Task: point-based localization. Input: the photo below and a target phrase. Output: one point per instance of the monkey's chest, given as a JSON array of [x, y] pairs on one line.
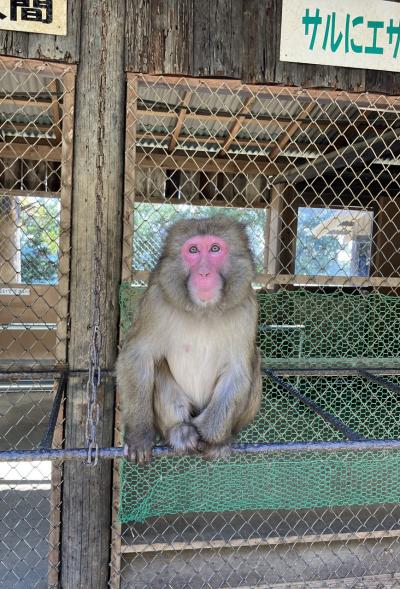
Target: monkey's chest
[[196, 366]]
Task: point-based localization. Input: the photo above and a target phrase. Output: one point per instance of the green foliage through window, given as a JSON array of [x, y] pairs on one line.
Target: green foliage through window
[[39, 226]]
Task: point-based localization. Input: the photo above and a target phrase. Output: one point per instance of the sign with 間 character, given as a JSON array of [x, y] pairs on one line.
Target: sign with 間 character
[[359, 34], [34, 16]]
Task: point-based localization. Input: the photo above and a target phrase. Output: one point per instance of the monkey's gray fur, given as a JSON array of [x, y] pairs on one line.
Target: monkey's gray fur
[[189, 372]]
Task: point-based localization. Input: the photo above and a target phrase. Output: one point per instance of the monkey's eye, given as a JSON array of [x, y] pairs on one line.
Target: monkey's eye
[[215, 248], [193, 249]]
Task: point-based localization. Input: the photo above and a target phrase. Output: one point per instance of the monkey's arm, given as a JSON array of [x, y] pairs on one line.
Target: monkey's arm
[[135, 380]]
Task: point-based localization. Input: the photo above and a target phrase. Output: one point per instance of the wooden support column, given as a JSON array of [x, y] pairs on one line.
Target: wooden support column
[[10, 241], [273, 231], [96, 250]]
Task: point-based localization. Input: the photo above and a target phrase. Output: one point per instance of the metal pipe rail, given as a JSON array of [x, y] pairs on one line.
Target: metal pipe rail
[[334, 421], [383, 382], [267, 449]]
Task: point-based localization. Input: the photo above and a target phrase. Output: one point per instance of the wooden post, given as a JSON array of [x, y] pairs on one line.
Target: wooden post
[[61, 308], [273, 231], [10, 246], [96, 237], [127, 253]]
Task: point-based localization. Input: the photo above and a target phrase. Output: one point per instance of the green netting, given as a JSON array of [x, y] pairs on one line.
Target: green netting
[[305, 328], [295, 328], [181, 485]]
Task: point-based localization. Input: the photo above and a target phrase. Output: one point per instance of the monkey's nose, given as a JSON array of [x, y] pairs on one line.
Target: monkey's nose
[[204, 273]]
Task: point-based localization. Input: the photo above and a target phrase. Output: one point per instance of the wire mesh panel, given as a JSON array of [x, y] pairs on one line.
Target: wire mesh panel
[[36, 108], [36, 122], [314, 175]]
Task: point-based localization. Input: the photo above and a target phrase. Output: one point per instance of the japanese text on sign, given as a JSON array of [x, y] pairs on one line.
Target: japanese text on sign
[[361, 34], [36, 16]]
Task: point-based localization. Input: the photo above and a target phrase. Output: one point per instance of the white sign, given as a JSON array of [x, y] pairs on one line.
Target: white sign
[[34, 16], [21, 292], [359, 34]]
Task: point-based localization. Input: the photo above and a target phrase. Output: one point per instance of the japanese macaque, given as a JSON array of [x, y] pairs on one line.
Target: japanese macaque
[[189, 369]]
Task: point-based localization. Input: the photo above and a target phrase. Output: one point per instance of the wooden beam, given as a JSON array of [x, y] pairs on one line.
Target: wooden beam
[[390, 581], [289, 133], [126, 275], [25, 193], [255, 542], [9, 126], [96, 254], [31, 102], [273, 230], [263, 120], [65, 216], [61, 309], [14, 150], [234, 129], [219, 140], [322, 96], [337, 159], [301, 280], [199, 202], [212, 165], [180, 120], [55, 110], [53, 576], [342, 281], [41, 68]]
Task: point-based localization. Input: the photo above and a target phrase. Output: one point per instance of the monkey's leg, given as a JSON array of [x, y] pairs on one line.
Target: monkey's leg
[[173, 412], [229, 403], [253, 404], [135, 380]]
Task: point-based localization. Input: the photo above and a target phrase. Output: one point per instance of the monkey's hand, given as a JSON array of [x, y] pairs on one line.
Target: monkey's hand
[[138, 446]]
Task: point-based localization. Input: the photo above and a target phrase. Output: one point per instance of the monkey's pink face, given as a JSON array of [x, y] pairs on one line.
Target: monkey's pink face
[[204, 256]]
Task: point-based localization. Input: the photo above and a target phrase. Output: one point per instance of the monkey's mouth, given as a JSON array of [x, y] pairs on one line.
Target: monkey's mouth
[[205, 298]]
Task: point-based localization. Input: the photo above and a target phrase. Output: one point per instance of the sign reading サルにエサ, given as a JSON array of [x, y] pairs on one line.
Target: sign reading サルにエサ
[[356, 33], [34, 16]]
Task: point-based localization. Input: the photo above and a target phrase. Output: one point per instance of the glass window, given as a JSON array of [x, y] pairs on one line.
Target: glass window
[[333, 242]]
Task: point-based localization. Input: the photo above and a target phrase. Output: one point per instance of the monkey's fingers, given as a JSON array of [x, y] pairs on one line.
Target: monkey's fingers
[[219, 452], [138, 455]]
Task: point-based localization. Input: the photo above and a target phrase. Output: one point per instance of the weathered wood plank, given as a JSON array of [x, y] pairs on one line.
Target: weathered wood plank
[[258, 42], [54, 47], [382, 82], [217, 38], [65, 213], [223, 38], [97, 219], [15, 44], [159, 36]]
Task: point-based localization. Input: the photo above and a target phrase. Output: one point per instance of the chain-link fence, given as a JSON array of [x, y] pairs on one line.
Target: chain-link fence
[[310, 495], [36, 124], [314, 174]]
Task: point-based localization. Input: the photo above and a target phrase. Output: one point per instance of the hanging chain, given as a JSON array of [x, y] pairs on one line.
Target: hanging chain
[[93, 409], [94, 372], [95, 347]]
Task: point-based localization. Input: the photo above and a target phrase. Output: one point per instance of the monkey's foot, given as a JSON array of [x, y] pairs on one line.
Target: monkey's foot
[[217, 452], [183, 438]]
